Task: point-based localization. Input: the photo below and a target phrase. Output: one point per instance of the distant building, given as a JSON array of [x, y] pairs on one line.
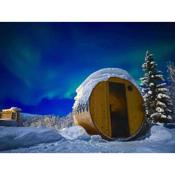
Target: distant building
[[12, 114]]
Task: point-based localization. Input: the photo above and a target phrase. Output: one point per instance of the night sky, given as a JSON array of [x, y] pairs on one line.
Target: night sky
[[42, 64]]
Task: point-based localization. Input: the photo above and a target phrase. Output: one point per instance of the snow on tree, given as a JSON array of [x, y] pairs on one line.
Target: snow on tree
[[48, 121], [157, 101], [171, 71]]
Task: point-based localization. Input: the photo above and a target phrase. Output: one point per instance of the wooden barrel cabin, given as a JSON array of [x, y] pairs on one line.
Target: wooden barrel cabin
[[109, 103], [12, 114]]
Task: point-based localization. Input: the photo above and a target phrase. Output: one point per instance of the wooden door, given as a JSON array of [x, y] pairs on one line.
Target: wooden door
[[99, 108], [118, 110]]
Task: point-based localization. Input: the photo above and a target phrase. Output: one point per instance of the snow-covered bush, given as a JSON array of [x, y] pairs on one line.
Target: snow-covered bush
[[158, 106], [49, 121]]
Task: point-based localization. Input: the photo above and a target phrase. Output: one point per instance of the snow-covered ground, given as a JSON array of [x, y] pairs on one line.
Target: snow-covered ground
[[75, 140]]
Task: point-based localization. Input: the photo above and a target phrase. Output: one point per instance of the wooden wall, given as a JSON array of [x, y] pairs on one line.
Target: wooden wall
[[98, 120]]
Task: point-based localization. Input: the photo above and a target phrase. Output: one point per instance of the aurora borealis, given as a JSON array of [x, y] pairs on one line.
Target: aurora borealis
[[42, 64]]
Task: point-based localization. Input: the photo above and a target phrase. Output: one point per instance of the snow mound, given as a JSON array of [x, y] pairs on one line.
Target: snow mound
[[75, 132], [159, 133], [97, 138], [85, 89], [15, 137]]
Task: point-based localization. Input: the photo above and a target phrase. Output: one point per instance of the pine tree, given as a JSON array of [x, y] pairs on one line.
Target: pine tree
[[171, 71], [157, 101]]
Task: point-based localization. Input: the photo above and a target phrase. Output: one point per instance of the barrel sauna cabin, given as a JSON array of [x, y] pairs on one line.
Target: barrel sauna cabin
[[109, 103]]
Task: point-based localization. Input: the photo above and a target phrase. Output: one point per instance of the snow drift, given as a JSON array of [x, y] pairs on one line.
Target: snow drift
[[75, 132], [16, 137]]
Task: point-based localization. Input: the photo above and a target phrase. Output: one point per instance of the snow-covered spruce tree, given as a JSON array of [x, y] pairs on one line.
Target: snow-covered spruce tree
[[171, 71], [157, 101]]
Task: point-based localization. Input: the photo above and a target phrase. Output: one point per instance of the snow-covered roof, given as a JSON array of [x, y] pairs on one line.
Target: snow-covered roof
[[85, 89], [15, 108], [12, 109]]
